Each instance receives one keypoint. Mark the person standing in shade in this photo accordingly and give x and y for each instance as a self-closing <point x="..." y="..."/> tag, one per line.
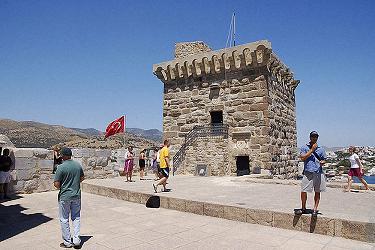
<point x="164" y="167"/>
<point x="313" y="158"/>
<point x="5" y="177"/>
<point x="129" y="164"/>
<point x="68" y="177"/>
<point x="142" y="164"/>
<point x="356" y="169"/>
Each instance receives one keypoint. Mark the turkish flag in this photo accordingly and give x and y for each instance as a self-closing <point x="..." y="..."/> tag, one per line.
<point x="117" y="126"/>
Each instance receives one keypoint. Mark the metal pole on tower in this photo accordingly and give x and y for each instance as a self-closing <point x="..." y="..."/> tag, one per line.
<point x="234" y="29"/>
<point x="124" y="131"/>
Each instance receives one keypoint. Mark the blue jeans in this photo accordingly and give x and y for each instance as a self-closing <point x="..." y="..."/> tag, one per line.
<point x="72" y="207"/>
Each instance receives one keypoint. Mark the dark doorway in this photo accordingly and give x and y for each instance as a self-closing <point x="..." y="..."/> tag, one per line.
<point x="243" y="167"/>
<point x="216" y="117"/>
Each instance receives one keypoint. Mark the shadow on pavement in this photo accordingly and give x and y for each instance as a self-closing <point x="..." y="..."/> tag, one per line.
<point x="13" y="221"/>
<point x="85" y="238"/>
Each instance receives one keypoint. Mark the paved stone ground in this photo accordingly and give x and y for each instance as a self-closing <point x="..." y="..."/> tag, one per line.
<point x="353" y="206"/>
<point x="114" y="224"/>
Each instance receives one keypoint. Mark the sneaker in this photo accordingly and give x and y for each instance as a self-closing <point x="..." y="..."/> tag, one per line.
<point x="315" y="213"/>
<point x="155" y="188"/>
<point x="65" y="246"/>
<point x="299" y="211"/>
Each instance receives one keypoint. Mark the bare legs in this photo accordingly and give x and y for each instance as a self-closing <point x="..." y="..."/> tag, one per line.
<point x="303" y="200"/>
<point x="129" y="175"/>
<point x="350" y="181"/>
<point x="364" y="182"/>
<point x="141" y="174"/>
<point x="163" y="181"/>
<point x="316" y="200"/>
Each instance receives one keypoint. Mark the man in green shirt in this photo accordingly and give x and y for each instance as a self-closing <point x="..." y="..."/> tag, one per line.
<point x="68" y="177"/>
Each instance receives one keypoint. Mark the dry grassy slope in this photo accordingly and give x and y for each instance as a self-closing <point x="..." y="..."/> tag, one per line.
<point x="34" y="134"/>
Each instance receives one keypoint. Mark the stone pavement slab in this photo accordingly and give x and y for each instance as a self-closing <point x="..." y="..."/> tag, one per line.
<point x="108" y="223"/>
<point x="273" y="197"/>
<point x="350" y="215"/>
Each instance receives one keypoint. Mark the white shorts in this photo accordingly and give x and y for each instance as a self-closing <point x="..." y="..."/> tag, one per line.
<point x="5" y="177"/>
<point x="313" y="182"/>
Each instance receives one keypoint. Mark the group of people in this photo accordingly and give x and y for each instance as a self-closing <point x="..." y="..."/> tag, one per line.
<point x="5" y="166"/>
<point x="69" y="174"/>
<point x="160" y="165"/>
<point x="314" y="179"/>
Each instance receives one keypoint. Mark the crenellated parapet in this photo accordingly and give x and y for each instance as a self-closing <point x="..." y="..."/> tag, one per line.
<point x="242" y="57"/>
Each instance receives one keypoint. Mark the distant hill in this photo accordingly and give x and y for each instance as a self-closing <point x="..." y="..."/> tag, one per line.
<point x="26" y="134"/>
<point x="89" y="131"/>
<point x="152" y="134"/>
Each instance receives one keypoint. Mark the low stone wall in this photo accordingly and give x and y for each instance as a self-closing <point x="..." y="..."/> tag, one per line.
<point x="33" y="167"/>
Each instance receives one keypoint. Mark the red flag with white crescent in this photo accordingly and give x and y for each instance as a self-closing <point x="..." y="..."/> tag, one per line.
<point x="117" y="126"/>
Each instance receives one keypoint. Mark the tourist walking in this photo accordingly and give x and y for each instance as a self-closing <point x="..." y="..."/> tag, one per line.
<point x="356" y="169"/>
<point x="313" y="179"/>
<point x="5" y="177"/>
<point x="142" y="164"/>
<point x="164" y="167"/>
<point x="68" y="177"/>
<point x="129" y="164"/>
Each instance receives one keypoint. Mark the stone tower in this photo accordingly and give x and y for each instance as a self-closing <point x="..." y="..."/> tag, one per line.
<point x="229" y="111"/>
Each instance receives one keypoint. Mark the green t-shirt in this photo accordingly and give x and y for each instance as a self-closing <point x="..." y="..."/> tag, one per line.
<point x="69" y="175"/>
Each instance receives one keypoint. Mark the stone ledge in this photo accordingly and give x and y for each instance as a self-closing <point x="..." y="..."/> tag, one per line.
<point x="362" y="231"/>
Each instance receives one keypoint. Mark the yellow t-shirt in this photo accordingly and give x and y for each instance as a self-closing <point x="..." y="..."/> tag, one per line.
<point x="164" y="153"/>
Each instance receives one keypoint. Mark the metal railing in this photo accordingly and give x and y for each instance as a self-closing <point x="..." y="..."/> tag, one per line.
<point x="209" y="131"/>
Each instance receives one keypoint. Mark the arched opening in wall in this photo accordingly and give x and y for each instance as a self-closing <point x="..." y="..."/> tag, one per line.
<point x="216" y="117"/>
<point x="243" y="166"/>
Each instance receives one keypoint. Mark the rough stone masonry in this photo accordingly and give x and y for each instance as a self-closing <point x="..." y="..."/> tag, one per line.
<point x="245" y="88"/>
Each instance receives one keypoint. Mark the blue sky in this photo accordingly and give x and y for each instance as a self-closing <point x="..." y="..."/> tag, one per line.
<point x="84" y="63"/>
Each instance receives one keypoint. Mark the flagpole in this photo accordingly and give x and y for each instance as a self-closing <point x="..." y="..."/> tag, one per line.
<point x="124" y="130"/>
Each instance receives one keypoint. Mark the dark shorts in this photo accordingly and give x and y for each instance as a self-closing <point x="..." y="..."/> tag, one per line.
<point x="142" y="163"/>
<point x="355" y="172"/>
<point x="165" y="172"/>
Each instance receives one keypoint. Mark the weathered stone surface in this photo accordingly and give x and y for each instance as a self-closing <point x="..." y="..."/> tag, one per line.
<point x="262" y="217"/>
<point x="177" y="204"/>
<point x="30" y="186"/>
<point x="41" y="153"/>
<point x="214" y="210"/>
<point x="235" y="213"/>
<point x="320" y="225"/>
<point x="5" y="142"/>
<point x="23" y="152"/>
<point x="45" y="165"/>
<point x="287" y="221"/>
<point x="357" y="230"/>
<point x="194" y="207"/>
<point x="25" y="163"/>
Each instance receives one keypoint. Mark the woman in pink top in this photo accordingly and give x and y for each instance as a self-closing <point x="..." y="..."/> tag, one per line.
<point x="356" y="169"/>
<point x="129" y="163"/>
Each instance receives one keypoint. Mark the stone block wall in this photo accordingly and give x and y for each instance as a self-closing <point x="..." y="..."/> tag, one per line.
<point x="282" y="131"/>
<point x="33" y="167"/>
<point x="190" y="48"/>
<point x="244" y="102"/>
<point x="211" y="152"/>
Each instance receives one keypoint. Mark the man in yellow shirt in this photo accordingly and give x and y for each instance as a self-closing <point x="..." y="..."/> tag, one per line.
<point x="164" y="166"/>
